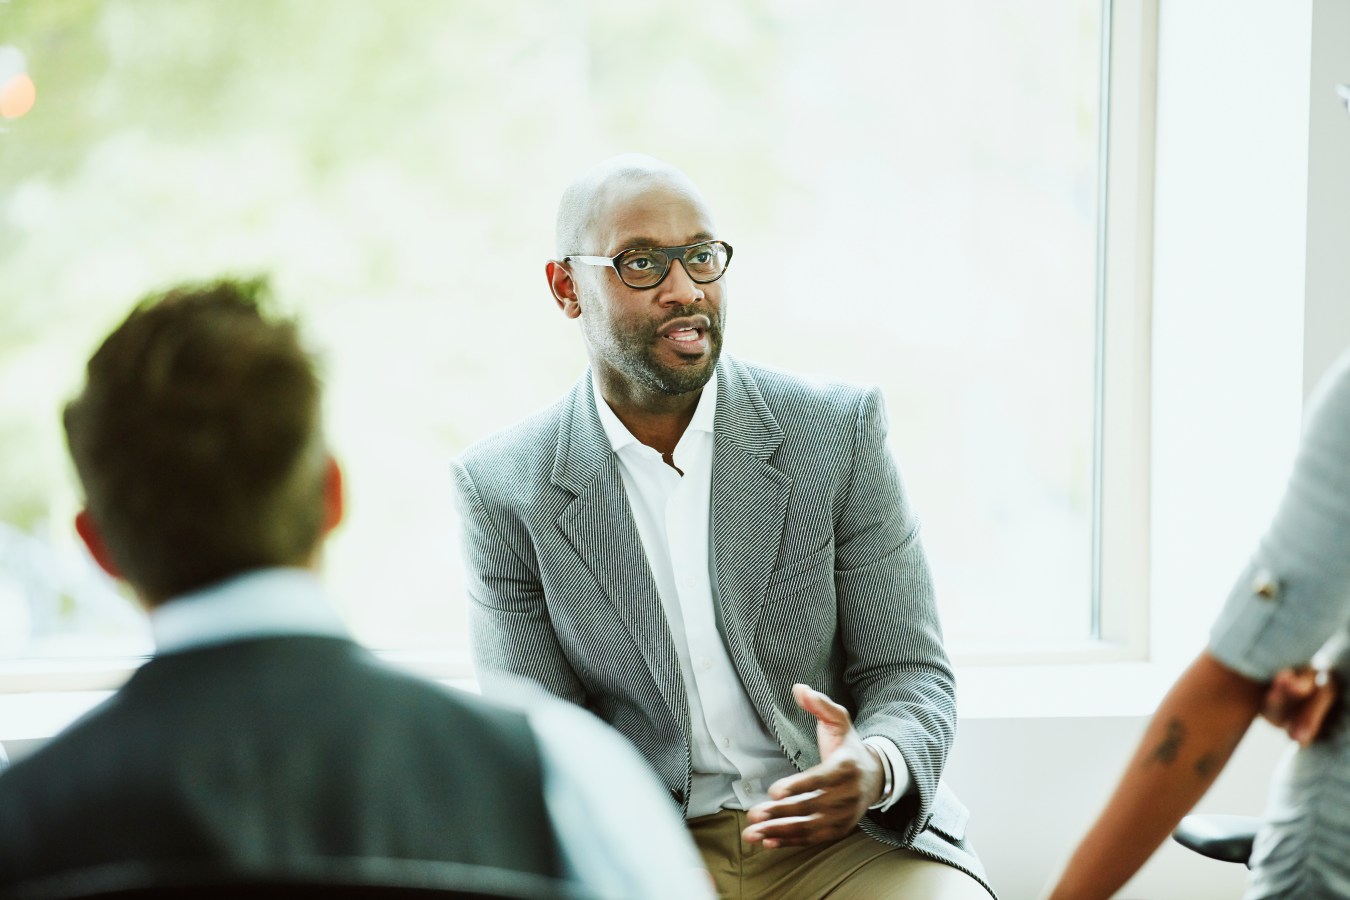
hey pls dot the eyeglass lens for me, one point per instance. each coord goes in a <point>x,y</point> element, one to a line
<point>645,267</point>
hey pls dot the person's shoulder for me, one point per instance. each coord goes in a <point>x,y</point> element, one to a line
<point>797,392</point>
<point>1326,426</point>
<point>1333,390</point>
<point>561,727</point>
<point>519,456</point>
<point>427,703</point>
<point>69,753</point>
<point>535,433</point>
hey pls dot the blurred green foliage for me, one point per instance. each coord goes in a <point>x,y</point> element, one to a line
<point>910,188</point>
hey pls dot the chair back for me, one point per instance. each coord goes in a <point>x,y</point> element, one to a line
<point>1226,838</point>
<point>341,879</point>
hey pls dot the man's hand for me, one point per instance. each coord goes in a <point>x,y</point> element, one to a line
<point>825,802</point>
<point>1298,701</point>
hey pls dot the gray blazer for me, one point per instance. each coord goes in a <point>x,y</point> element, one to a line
<point>819,578</point>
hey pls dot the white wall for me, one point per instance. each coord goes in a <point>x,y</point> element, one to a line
<point>1034,786</point>
<point>1251,302</point>
<point>1327,319</point>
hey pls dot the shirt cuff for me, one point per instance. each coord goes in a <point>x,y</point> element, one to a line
<point>897,771</point>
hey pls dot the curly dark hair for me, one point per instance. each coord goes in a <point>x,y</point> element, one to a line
<point>198,440</point>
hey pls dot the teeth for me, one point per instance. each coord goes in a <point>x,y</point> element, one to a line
<point>684,334</point>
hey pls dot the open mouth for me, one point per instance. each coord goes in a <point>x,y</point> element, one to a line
<point>688,335</point>
<point>685,335</point>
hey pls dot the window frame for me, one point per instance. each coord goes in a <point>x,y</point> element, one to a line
<point>1123,385</point>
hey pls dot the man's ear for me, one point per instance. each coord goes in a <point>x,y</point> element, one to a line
<point>89,532</point>
<point>564,288</point>
<point>334,496</point>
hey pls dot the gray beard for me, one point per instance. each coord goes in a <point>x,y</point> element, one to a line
<point>676,381</point>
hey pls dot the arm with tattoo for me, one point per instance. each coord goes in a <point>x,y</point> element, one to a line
<point>1189,740</point>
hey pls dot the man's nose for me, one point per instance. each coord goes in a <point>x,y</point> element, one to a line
<point>679,289</point>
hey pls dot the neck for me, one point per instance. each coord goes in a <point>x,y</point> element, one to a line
<point>659,430</point>
<point>657,420</point>
<point>313,563</point>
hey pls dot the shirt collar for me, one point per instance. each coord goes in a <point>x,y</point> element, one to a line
<point>705,414</point>
<point>261,603</point>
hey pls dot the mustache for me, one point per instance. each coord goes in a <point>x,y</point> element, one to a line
<point>692,310</point>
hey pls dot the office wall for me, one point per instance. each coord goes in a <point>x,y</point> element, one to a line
<point>1034,786</point>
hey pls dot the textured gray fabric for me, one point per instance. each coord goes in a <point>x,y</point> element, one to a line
<point>1291,599</point>
<point>1302,851</point>
<point>820,579</point>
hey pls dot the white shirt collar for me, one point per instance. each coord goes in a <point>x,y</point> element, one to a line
<point>705,414</point>
<point>261,603</point>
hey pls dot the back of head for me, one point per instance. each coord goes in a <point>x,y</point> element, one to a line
<point>197,440</point>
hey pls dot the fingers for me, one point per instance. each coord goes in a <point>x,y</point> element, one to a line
<point>823,803</point>
<point>827,776</point>
<point>800,820</point>
<point>1288,691</point>
<point>790,807</point>
<point>1307,721</point>
<point>834,728</point>
<point>796,832</point>
<point>821,706</point>
<point>1296,684</point>
<point>825,824</point>
<point>1299,701</point>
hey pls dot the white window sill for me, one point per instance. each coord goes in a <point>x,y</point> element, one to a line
<point>1079,690</point>
<point>983,691</point>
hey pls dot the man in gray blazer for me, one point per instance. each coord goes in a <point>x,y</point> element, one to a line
<point>718,559</point>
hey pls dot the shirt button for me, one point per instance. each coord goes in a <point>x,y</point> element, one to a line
<point>726,743</point>
<point>1265,586</point>
<point>705,663</point>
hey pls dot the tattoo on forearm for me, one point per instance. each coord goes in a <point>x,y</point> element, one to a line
<point>1206,765</point>
<point>1168,748</point>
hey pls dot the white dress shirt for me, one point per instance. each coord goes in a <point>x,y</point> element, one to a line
<point>735,758</point>
<point>616,831</point>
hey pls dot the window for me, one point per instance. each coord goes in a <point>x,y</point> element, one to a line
<point>916,193</point>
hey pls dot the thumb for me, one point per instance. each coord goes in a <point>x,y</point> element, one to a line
<point>1297,683</point>
<point>1287,692</point>
<point>832,720</point>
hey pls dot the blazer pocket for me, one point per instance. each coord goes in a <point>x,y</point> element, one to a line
<point>801,574</point>
<point>949,815</point>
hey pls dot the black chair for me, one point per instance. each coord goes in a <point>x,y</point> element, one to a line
<point>341,879</point>
<point>1226,838</point>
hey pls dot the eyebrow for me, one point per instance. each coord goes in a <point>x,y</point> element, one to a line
<point>647,243</point>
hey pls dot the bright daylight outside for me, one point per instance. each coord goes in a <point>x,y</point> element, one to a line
<point>910,189</point>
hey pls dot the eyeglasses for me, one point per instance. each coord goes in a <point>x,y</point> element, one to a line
<point>645,267</point>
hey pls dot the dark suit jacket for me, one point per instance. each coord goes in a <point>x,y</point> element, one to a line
<point>267,752</point>
<point>819,578</point>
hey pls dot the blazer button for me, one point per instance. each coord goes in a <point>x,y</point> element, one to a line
<point>1265,586</point>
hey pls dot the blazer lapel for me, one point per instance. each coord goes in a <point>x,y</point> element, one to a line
<point>749,503</point>
<point>599,524</point>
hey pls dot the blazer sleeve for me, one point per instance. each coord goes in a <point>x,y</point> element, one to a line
<point>1292,595</point>
<point>896,666</point>
<point>509,624</point>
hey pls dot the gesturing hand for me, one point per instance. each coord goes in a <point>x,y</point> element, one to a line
<point>1298,701</point>
<point>825,802</point>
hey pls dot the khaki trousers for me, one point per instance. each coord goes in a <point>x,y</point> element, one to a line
<point>853,868</point>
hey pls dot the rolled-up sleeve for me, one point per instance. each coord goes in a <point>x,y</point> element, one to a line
<point>1294,594</point>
